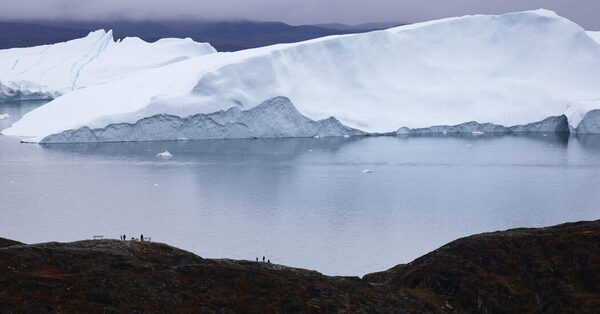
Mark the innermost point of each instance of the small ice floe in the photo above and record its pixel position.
(346, 135)
(445, 132)
(164, 154)
(155, 184)
(310, 150)
(367, 171)
(477, 133)
(316, 137)
(4, 116)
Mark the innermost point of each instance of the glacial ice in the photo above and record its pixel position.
(556, 124)
(46, 72)
(276, 117)
(590, 122)
(505, 70)
(595, 35)
(164, 154)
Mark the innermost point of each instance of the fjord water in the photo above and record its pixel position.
(301, 202)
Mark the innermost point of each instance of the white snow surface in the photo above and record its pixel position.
(4, 116)
(508, 69)
(595, 35)
(53, 70)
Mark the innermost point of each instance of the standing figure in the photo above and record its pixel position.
(263, 259)
(142, 238)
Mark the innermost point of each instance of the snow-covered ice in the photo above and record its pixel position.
(164, 154)
(45, 72)
(595, 35)
(510, 69)
(4, 116)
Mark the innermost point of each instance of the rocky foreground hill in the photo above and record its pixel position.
(550, 270)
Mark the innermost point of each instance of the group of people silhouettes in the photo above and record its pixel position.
(124, 238)
(268, 261)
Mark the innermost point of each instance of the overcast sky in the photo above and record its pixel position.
(585, 12)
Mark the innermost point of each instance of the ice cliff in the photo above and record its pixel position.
(510, 69)
(275, 117)
(45, 72)
(558, 124)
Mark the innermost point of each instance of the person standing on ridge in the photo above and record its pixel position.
(142, 238)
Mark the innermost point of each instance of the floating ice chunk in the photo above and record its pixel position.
(477, 133)
(4, 116)
(316, 137)
(346, 136)
(164, 154)
(367, 171)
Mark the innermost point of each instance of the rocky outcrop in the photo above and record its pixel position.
(590, 122)
(116, 276)
(276, 117)
(6, 242)
(556, 124)
(543, 270)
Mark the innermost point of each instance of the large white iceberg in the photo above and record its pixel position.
(509, 69)
(52, 70)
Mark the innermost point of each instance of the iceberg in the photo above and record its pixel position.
(557, 124)
(590, 122)
(164, 154)
(46, 72)
(274, 118)
(505, 70)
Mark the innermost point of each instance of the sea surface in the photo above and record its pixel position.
(308, 203)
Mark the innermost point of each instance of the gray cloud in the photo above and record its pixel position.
(584, 12)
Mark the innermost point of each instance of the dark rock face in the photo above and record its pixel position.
(544, 270)
(276, 117)
(547, 270)
(590, 122)
(6, 242)
(111, 275)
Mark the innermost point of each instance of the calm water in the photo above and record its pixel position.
(300, 202)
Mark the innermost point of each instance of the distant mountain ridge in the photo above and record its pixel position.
(224, 35)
